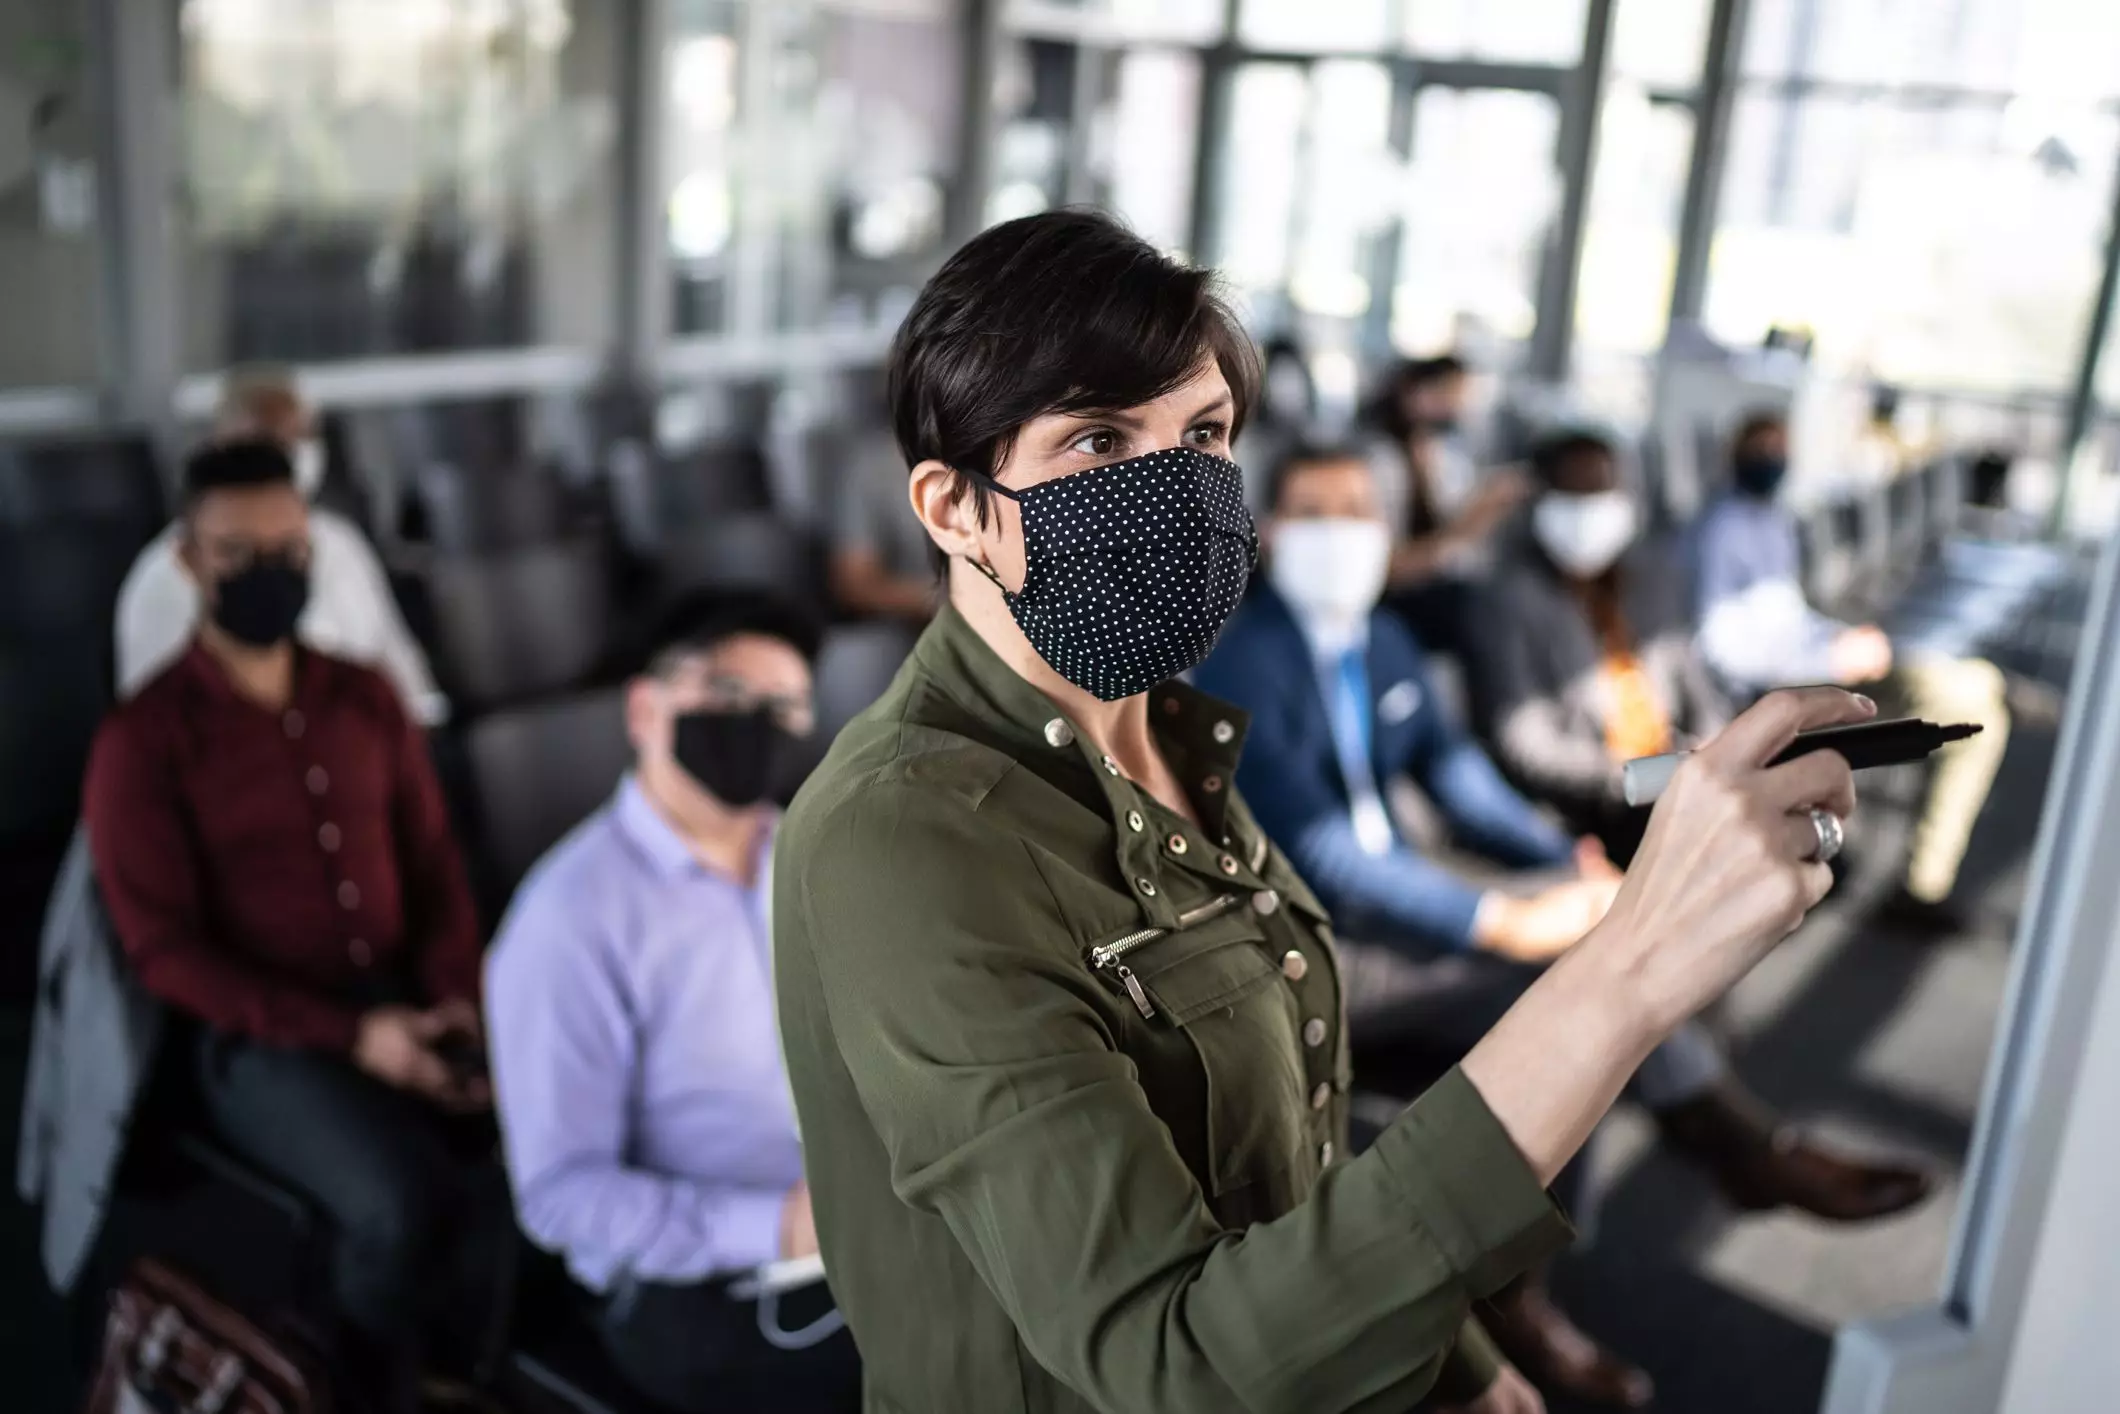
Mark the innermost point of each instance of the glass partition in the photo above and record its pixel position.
(371, 177)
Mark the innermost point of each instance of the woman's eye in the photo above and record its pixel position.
(1097, 444)
(1207, 434)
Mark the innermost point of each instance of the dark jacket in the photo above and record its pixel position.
(1292, 778)
(1535, 674)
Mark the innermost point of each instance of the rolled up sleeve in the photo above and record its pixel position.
(985, 1064)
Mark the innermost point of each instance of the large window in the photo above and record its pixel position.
(809, 150)
(1517, 31)
(367, 177)
(1307, 186)
(1142, 141)
(49, 263)
(1479, 209)
(1924, 186)
(1630, 246)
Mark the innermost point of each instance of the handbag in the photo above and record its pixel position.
(171, 1348)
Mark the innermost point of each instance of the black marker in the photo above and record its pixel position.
(1865, 744)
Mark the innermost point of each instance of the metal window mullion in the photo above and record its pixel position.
(641, 274)
(751, 264)
(975, 129)
(136, 67)
(1554, 333)
(1218, 76)
(1705, 167)
(2083, 401)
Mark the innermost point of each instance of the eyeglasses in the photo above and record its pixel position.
(235, 553)
(792, 712)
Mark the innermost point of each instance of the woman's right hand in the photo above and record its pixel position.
(1727, 869)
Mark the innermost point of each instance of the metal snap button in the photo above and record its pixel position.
(1264, 902)
(318, 780)
(1211, 785)
(1111, 767)
(1177, 844)
(1295, 967)
(1228, 863)
(1314, 1032)
(1319, 1099)
(1146, 886)
(349, 895)
(328, 837)
(1059, 733)
(1224, 733)
(1134, 821)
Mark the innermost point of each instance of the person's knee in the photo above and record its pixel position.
(390, 1213)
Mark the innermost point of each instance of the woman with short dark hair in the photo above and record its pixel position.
(1062, 1024)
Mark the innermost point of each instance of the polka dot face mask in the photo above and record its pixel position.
(1131, 568)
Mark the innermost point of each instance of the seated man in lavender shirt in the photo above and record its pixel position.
(636, 1059)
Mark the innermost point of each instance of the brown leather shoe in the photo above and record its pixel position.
(1760, 1165)
(1556, 1354)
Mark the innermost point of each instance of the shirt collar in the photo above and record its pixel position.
(1332, 638)
(206, 675)
(1202, 736)
(665, 849)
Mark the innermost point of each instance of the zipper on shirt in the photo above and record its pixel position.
(1113, 953)
(1109, 955)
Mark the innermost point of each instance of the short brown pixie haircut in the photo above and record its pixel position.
(1066, 311)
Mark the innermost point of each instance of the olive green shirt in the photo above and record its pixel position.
(1072, 1076)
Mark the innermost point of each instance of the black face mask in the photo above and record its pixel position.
(1131, 569)
(733, 755)
(260, 603)
(1759, 476)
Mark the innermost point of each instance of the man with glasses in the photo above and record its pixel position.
(650, 1135)
(273, 848)
(350, 613)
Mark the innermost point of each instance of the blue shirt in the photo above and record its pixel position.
(636, 1059)
(1294, 779)
(1756, 629)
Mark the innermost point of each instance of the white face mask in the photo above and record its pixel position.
(1584, 535)
(1330, 568)
(307, 457)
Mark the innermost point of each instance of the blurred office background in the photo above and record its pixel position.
(594, 295)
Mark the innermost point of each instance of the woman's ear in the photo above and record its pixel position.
(943, 503)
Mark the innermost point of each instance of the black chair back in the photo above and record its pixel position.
(855, 665)
(519, 624)
(479, 513)
(537, 772)
(756, 552)
(711, 481)
(99, 479)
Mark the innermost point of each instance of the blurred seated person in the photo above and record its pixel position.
(880, 566)
(350, 614)
(645, 1109)
(1757, 631)
(1282, 418)
(1442, 508)
(273, 849)
(1585, 657)
(1340, 702)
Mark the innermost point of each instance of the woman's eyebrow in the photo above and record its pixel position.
(1222, 403)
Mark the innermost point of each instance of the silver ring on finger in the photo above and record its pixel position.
(1831, 835)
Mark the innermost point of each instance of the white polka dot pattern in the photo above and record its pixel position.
(1133, 568)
